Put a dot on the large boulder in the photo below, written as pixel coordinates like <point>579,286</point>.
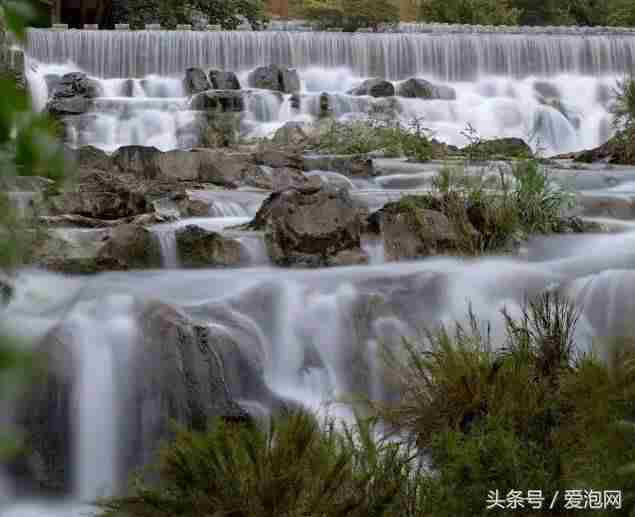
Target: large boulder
<point>421,89</point>
<point>222,80</point>
<point>311,227</point>
<point>138,160</point>
<point>276,78</point>
<point>199,248</point>
<point>375,88</point>
<point>195,81</point>
<point>73,94</point>
<point>410,232</point>
<point>294,134</point>
<point>89,157</point>
<point>223,101</point>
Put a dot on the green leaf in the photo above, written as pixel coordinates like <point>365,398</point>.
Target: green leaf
<point>18,15</point>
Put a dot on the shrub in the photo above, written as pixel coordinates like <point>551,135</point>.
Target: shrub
<point>391,138</point>
<point>528,413</point>
<point>294,468</point>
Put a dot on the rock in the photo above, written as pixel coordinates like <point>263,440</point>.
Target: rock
<point>6,289</point>
<point>101,195</point>
<point>500,147</point>
<point>195,81</point>
<point>292,134</point>
<point>223,101</point>
<point>210,129</point>
<point>73,95</point>
<point>225,169</point>
<point>200,248</point>
<point>221,80</point>
<point>349,165</point>
<point>296,101</point>
<point>618,150</point>
<point>131,247</point>
<point>374,88</point>
<point>275,78</point>
<point>411,233</point>
<point>76,221</point>
<point>278,158</point>
<point>309,227</point>
<point>268,178</point>
<point>89,157</point>
<point>545,90</point>
<point>421,89</point>
<point>325,106</point>
<point>607,206</point>
<point>137,159</point>
<point>179,370</point>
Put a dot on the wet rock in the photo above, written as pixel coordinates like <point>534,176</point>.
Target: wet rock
<point>411,233</point>
<point>278,158</point>
<point>325,106</point>
<point>179,370</point>
<point>545,90</point>
<point>101,195</point>
<point>195,81</point>
<point>73,95</point>
<point>374,88</point>
<point>607,206</point>
<point>292,134</point>
<point>349,165</point>
<point>89,157</point>
<point>222,101</point>
<point>131,246</point>
<point>421,89</point>
<point>225,169</point>
<point>6,289</point>
<point>137,159</point>
<point>309,227</point>
<point>268,178</point>
<point>199,248</point>
<point>275,78</point>
<point>618,150</point>
<point>222,80</point>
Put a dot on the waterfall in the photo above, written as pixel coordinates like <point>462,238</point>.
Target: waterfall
<point>447,56</point>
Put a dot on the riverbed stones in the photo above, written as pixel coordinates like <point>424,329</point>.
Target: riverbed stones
<point>275,78</point>
<point>374,88</point>
<point>421,89</point>
<point>310,227</point>
<point>222,80</point>
<point>195,81</point>
<point>199,248</point>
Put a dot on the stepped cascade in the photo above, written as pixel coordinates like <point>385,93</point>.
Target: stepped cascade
<point>552,89</point>
<point>235,281</point>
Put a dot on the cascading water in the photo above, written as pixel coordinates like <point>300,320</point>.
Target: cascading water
<point>498,78</point>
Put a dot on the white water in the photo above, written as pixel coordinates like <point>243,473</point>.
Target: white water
<point>494,76</point>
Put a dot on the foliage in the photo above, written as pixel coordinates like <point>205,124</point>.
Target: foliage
<point>293,468</point>
<point>376,135</point>
<point>530,12</point>
<point>529,412</point>
<point>483,12</point>
<point>169,13</point>
<point>350,15</point>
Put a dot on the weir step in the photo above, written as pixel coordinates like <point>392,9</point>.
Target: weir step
<point>184,27</point>
<point>122,26</point>
<point>91,26</point>
<point>60,26</point>
<point>153,26</point>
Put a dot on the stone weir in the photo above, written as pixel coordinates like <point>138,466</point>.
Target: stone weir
<point>453,55</point>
